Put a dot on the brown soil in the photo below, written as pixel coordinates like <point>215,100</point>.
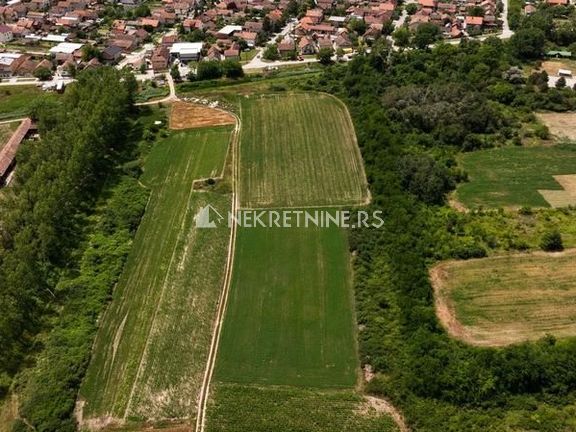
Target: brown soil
<point>561,125</point>
<point>382,406</point>
<point>444,308</point>
<point>187,116</point>
<point>551,66</point>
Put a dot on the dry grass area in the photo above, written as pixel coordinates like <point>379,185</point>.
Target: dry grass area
<point>188,116</point>
<point>8,413</point>
<point>561,125</point>
<point>562,198</point>
<point>552,66</point>
<point>503,300</point>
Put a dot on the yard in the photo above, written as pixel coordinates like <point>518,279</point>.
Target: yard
<point>150,353</point>
<point>515,176</point>
<point>16,100</point>
<point>299,150</point>
<point>507,299</point>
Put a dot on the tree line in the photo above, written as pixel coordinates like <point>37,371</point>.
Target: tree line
<point>45,219</point>
<point>414,112</point>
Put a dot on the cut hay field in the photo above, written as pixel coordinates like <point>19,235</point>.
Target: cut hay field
<point>508,299</point>
<point>295,409</point>
<point>150,352</point>
<point>299,150</point>
<point>513,176</point>
<point>187,116</point>
<point>289,317</point>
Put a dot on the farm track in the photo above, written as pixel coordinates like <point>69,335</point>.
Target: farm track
<point>205,389</point>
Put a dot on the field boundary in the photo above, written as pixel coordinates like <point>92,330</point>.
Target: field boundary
<point>444,306</point>
<point>222,302</point>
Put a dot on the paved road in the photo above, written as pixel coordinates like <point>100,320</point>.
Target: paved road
<point>570,81</point>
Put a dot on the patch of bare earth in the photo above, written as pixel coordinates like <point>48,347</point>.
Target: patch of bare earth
<point>189,116</point>
<point>561,125</point>
<point>374,406</point>
<point>503,300</point>
<point>553,66</point>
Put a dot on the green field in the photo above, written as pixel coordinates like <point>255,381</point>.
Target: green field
<point>290,312</point>
<point>15,100</point>
<point>299,150</point>
<point>150,353</point>
<point>237,408</point>
<point>512,176</point>
<point>509,299</point>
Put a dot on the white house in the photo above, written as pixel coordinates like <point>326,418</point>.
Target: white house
<point>186,51</point>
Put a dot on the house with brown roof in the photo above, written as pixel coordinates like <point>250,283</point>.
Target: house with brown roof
<point>474,22</point>
<point>307,46</point>
<point>249,37</point>
<point>253,26</point>
<point>190,24</point>
<point>214,53</point>
<point>6,34</point>
<point>287,47</point>
<point>160,58</point>
<point>232,53</point>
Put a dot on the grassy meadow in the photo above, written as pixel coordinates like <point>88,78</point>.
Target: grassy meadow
<point>16,100</point>
<point>289,318</point>
<point>299,150</point>
<point>238,408</point>
<point>150,353</point>
<point>509,299</point>
<point>512,176</point>
<point>6,131</point>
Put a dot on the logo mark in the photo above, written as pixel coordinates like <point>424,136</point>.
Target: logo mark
<point>208,217</point>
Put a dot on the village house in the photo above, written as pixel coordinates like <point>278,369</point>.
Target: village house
<point>6,34</point>
<point>474,23</point>
<point>307,46</point>
<point>160,58</point>
<point>112,53</point>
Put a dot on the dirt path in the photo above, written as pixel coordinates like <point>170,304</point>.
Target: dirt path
<point>444,308</point>
<point>383,406</point>
<point>205,390</point>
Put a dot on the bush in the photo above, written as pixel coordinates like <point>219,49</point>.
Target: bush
<point>43,74</point>
<point>552,242</point>
<point>232,69</point>
<point>209,70</point>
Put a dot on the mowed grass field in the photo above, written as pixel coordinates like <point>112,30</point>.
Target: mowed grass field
<point>289,318</point>
<point>508,299</point>
<point>238,408</point>
<point>299,150</point>
<point>512,176</point>
<point>150,353</point>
